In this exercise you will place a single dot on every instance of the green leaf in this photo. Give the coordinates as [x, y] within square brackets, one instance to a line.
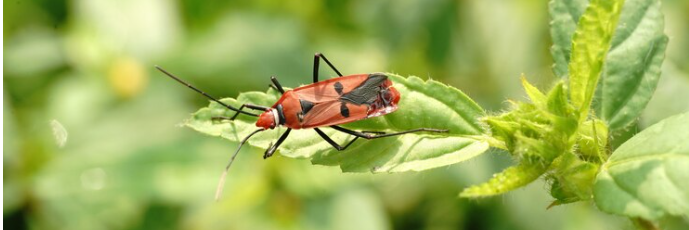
[632, 66]
[427, 104]
[535, 95]
[590, 44]
[648, 176]
[564, 119]
[564, 16]
[509, 179]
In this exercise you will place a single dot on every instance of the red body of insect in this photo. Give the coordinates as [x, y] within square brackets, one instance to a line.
[332, 102]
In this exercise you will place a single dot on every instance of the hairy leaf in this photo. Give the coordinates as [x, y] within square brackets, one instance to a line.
[632, 66]
[537, 97]
[536, 134]
[590, 45]
[424, 104]
[648, 176]
[509, 179]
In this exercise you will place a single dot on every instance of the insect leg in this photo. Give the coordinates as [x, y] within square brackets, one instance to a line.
[276, 85]
[316, 62]
[374, 132]
[367, 135]
[331, 142]
[250, 106]
[269, 152]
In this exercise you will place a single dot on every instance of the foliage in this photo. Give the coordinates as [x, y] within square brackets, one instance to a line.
[542, 135]
[644, 178]
[632, 65]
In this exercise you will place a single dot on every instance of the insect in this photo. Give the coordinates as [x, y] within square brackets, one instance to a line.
[327, 103]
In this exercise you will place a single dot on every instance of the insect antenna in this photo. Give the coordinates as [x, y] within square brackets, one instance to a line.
[221, 183]
[203, 93]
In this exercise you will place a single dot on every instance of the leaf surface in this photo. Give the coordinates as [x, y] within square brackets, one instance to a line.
[648, 176]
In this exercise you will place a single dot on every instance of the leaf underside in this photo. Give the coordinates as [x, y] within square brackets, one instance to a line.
[648, 176]
[632, 66]
[423, 104]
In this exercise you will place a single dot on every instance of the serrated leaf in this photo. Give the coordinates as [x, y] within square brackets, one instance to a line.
[424, 104]
[632, 66]
[648, 176]
[509, 179]
[590, 44]
[564, 16]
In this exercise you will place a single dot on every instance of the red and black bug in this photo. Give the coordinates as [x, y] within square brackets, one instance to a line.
[326, 103]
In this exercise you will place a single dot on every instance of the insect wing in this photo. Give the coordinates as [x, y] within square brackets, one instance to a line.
[331, 89]
[334, 113]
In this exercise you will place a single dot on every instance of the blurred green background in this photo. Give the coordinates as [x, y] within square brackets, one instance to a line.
[91, 136]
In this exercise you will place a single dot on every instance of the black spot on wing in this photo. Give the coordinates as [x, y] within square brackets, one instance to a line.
[367, 91]
[338, 87]
[344, 110]
[306, 106]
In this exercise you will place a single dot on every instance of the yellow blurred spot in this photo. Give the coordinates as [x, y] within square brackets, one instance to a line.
[127, 77]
